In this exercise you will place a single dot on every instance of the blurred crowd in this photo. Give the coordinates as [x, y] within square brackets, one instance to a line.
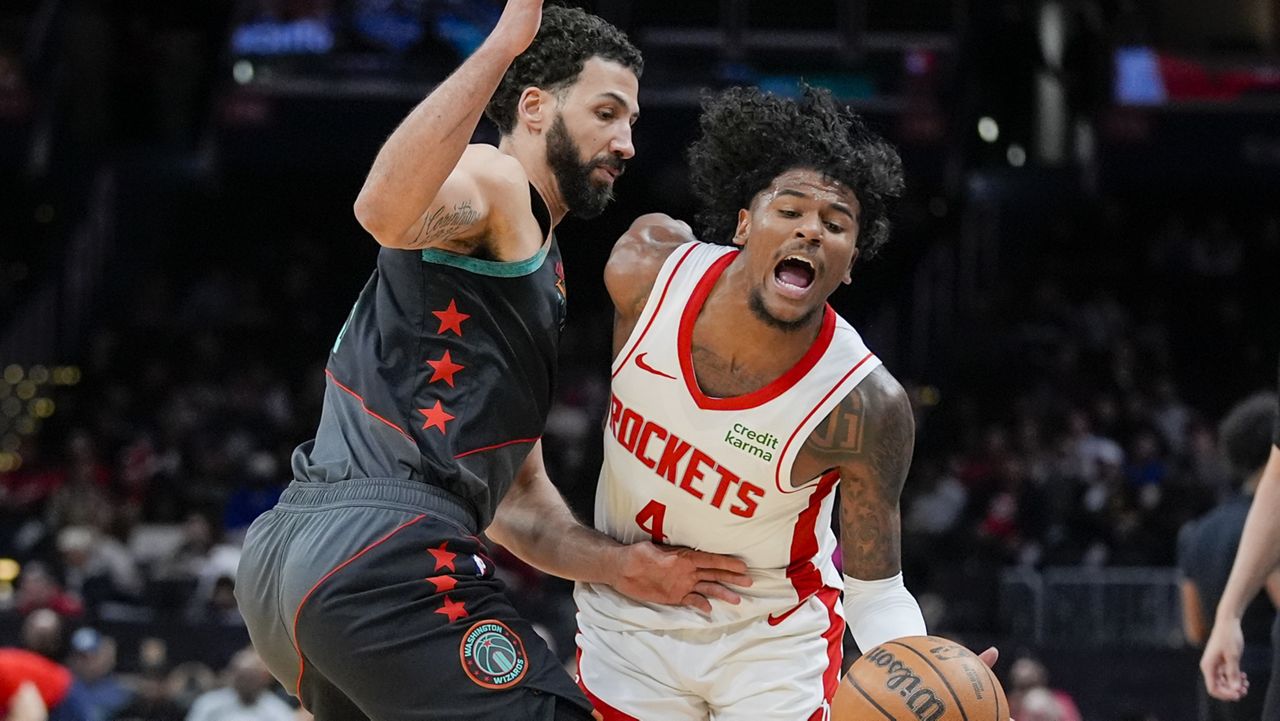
[1075, 425]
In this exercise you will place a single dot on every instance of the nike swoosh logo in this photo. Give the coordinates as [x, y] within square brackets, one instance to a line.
[777, 618]
[646, 367]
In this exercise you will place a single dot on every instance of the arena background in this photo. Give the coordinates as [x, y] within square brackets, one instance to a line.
[1081, 281]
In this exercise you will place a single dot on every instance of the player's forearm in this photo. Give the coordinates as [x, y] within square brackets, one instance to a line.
[1259, 551]
[415, 161]
[537, 526]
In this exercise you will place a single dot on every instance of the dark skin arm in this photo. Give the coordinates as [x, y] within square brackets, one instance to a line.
[868, 439]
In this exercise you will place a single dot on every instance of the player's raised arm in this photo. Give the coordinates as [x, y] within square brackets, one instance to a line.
[873, 460]
[413, 197]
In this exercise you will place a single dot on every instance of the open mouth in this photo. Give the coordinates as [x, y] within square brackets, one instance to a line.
[794, 273]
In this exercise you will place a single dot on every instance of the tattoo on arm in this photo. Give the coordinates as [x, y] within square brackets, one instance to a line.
[440, 226]
[873, 434]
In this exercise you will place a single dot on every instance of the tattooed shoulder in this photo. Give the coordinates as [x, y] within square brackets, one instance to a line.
[872, 429]
[873, 467]
[443, 224]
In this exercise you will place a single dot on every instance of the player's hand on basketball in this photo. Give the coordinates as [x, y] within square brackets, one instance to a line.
[679, 576]
[518, 25]
[1220, 663]
[990, 656]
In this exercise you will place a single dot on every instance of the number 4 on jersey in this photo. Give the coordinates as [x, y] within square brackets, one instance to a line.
[650, 520]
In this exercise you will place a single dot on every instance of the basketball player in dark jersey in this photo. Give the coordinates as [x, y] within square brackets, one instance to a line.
[1257, 557]
[366, 589]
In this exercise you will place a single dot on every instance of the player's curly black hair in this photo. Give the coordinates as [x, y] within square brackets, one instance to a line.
[566, 39]
[1245, 434]
[750, 137]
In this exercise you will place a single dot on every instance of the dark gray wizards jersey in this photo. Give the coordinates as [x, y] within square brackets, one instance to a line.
[443, 373]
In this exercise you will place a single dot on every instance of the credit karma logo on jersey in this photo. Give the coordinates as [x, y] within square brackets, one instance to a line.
[760, 445]
[681, 464]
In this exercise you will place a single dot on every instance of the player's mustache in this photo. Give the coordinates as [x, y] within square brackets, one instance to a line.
[612, 162]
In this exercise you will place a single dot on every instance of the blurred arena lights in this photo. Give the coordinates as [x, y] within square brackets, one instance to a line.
[988, 129]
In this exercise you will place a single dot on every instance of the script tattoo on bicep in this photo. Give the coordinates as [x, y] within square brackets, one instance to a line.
[440, 226]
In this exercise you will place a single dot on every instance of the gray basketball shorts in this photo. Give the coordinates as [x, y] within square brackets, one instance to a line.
[374, 599]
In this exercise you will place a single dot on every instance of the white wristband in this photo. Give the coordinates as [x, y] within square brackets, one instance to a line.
[879, 611]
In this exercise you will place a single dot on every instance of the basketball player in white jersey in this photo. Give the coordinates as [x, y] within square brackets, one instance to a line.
[742, 410]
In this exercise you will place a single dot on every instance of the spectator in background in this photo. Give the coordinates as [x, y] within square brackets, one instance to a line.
[1207, 545]
[93, 662]
[58, 689]
[247, 698]
[1257, 556]
[43, 632]
[26, 704]
[151, 701]
[1028, 687]
[257, 492]
[1038, 704]
[97, 567]
[39, 589]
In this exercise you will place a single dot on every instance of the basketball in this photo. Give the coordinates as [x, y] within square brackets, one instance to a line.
[921, 678]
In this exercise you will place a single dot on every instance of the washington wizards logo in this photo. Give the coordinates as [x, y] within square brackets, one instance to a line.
[493, 655]
[560, 280]
[562, 305]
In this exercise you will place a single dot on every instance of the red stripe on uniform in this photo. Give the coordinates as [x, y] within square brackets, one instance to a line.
[803, 574]
[777, 474]
[297, 689]
[498, 445]
[358, 397]
[607, 712]
[835, 642]
[653, 317]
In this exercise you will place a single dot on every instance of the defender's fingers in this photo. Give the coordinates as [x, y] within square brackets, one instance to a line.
[702, 559]
[714, 590]
[698, 601]
[725, 577]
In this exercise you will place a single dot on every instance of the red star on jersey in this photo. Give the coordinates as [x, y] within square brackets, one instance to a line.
[444, 583]
[444, 369]
[444, 559]
[436, 417]
[453, 609]
[450, 319]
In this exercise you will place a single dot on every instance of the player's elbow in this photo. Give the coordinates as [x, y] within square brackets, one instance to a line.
[373, 218]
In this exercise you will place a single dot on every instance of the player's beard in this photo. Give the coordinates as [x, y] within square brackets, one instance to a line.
[761, 312]
[584, 197]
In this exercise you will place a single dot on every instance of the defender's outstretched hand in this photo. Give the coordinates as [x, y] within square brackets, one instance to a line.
[1220, 663]
[679, 576]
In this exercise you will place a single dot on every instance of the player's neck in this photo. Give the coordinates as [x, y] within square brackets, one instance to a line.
[533, 159]
[736, 326]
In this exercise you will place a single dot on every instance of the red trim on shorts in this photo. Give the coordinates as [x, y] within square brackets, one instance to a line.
[297, 689]
[835, 646]
[357, 396]
[496, 446]
[756, 398]
[803, 574]
[661, 298]
[777, 474]
[607, 712]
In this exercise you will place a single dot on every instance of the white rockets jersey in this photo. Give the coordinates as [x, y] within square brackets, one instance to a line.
[715, 473]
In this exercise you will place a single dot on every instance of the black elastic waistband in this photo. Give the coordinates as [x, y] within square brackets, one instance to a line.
[387, 492]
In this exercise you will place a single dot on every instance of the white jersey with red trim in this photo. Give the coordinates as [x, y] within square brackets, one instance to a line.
[715, 473]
